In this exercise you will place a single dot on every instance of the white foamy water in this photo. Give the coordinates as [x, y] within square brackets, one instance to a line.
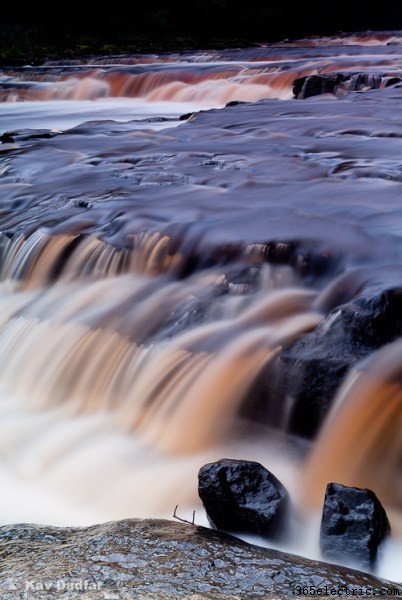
[61, 115]
[67, 470]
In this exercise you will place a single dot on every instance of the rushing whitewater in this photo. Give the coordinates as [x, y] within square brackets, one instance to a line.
[171, 226]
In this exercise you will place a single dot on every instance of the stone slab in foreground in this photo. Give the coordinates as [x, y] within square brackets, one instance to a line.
[159, 559]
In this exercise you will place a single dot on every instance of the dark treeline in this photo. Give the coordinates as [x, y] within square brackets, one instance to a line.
[164, 25]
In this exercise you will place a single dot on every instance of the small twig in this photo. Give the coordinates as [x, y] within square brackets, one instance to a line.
[175, 516]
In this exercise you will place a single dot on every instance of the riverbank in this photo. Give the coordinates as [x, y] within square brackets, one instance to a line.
[35, 50]
[36, 33]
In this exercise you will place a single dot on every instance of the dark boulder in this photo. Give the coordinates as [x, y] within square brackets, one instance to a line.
[332, 83]
[296, 391]
[315, 366]
[353, 525]
[242, 496]
[314, 85]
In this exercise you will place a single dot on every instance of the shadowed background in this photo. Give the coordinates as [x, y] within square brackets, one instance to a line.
[38, 31]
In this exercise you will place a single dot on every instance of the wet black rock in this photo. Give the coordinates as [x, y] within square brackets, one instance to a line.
[7, 138]
[157, 559]
[309, 259]
[83, 203]
[353, 525]
[314, 367]
[22, 135]
[243, 496]
[235, 103]
[296, 391]
[331, 83]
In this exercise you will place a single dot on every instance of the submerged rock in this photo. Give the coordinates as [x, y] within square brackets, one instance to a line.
[310, 260]
[22, 135]
[243, 496]
[296, 391]
[157, 559]
[353, 525]
[314, 367]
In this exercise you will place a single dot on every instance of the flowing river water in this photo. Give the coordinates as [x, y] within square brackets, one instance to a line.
[170, 225]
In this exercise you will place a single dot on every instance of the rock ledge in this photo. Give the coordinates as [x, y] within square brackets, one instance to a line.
[157, 559]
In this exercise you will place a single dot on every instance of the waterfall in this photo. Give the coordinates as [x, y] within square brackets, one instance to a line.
[366, 416]
[177, 233]
[96, 333]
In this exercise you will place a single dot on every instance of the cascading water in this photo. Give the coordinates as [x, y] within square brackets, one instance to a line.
[156, 267]
[368, 409]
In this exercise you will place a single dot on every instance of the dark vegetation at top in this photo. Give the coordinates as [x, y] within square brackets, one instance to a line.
[36, 31]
